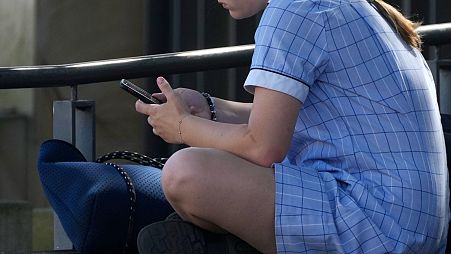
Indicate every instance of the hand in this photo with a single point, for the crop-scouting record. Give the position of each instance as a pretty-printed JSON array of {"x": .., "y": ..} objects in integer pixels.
[
  {"x": 195, "y": 101},
  {"x": 165, "y": 118}
]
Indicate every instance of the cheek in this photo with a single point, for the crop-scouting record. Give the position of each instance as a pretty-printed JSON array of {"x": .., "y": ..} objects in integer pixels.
[{"x": 244, "y": 9}]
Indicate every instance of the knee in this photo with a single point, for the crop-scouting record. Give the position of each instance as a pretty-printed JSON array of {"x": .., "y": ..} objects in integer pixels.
[{"x": 180, "y": 174}]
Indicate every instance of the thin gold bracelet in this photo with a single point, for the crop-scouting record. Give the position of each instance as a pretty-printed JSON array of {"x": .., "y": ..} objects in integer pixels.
[{"x": 180, "y": 129}]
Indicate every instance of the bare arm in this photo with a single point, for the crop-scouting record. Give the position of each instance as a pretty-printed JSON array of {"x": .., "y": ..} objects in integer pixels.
[
  {"x": 232, "y": 111},
  {"x": 263, "y": 140}
]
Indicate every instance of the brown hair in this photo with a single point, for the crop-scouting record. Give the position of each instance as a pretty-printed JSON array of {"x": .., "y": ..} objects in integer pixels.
[{"x": 403, "y": 26}]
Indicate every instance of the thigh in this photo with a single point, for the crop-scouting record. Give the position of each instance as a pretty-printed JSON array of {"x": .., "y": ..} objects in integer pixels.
[{"x": 228, "y": 191}]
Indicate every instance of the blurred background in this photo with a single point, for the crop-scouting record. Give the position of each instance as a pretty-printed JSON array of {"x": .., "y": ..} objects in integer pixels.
[{"x": 42, "y": 32}]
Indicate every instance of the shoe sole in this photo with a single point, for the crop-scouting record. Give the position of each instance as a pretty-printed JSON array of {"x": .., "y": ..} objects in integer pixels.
[{"x": 176, "y": 237}]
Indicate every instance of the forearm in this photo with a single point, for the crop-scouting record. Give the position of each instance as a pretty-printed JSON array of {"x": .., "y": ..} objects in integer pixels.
[
  {"x": 232, "y": 111},
  {"x": 238, "y": 139},
  {"x": 263, "y": 139}
]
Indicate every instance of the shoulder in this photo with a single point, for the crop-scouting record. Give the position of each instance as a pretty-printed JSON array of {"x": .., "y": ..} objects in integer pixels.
[
  {"x": 342, "y": 9},
  {"x": 297, "y": 15},
  {"x": 315, "y": 5},
  {"x": 305, "y": 7}
]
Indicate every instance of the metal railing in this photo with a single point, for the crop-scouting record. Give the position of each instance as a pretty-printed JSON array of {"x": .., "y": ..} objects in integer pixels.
[
  {"x": 133, "y": 67},
  {"x": 437, "y": 34},
  {"x": 146, "y": 66},
  {"x": 74, "y": 120}
]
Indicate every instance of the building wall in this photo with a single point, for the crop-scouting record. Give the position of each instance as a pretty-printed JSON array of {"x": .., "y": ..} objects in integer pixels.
[{"x": 16, "y": 106}]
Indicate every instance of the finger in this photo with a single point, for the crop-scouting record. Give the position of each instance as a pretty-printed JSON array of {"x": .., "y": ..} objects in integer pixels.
[
  {"x": 164, "y": 86},
  {"x": 140, "y": 107},
  {"x": 143, "y": 108},
  {"x": 159, "y": 96}
]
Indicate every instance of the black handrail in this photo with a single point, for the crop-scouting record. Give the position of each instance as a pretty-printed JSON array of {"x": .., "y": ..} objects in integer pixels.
[
  {"x": 133, "y": 67},
  {"x": 435, "y": 35},
  {"x": 145, "y": 66}
]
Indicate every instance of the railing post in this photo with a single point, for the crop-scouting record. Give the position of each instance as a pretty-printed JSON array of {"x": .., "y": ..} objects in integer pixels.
[{"x": 74, "y": 122}]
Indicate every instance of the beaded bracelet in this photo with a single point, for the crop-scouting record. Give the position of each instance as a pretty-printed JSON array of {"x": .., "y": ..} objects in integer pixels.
[{"x": 211, "y": 104}]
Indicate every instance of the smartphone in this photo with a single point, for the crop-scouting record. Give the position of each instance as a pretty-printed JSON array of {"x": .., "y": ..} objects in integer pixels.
[{"x": 138, "y": 92}]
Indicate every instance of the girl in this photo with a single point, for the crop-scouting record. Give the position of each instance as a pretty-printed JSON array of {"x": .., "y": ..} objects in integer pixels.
[{"x": 341, "y": 151}]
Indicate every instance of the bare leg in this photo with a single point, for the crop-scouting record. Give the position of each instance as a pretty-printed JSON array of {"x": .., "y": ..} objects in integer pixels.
[{"x": 217, "y": 190}]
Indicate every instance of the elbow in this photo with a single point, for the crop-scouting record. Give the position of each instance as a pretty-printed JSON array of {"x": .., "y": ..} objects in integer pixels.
[
  {"x": 267, "y": 156},
  {"x": 263, "y": 151}
]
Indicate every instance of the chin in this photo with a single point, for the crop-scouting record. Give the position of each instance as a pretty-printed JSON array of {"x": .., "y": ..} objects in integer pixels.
[{"x": 240, "y": 15}]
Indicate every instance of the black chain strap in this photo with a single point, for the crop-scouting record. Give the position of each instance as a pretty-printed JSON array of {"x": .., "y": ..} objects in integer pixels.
[
  {"x": 134, "y": 157},
  {"x": 137, "y": 158}
]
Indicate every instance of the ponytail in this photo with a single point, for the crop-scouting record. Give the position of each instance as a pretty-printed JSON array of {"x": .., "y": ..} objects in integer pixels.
[{"x": 403, "y": 26}]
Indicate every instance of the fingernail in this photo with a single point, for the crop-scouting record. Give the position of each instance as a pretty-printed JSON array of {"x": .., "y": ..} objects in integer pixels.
[{"x": 160, "y": 80}]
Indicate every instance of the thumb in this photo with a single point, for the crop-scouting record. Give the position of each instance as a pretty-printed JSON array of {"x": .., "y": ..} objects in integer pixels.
[{"x": 164, "y": 86}]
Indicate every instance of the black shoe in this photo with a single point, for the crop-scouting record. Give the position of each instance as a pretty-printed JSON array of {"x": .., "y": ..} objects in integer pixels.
[
  {"x": 179, "y": 237},
  {"x": 174, "y": 216}
]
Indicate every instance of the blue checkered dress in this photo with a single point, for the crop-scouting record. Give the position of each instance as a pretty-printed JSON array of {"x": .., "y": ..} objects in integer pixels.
[{"x": 366, "y": 170}]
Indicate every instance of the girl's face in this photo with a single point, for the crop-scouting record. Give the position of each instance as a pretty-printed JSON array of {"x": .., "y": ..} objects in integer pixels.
[{"x": 240, "y": 9}]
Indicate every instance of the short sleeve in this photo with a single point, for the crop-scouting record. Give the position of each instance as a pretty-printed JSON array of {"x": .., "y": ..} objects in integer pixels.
[{"x": 290, "y": 48}]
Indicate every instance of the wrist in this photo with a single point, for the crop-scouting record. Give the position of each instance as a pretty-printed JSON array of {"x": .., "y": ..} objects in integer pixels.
[
  {"x": 211, "y": 106},
  {"x": 181, "y": 140}
]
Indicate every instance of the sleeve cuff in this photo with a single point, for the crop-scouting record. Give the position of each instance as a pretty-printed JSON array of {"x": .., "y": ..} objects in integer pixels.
[{"x": 277, "y": 82}]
